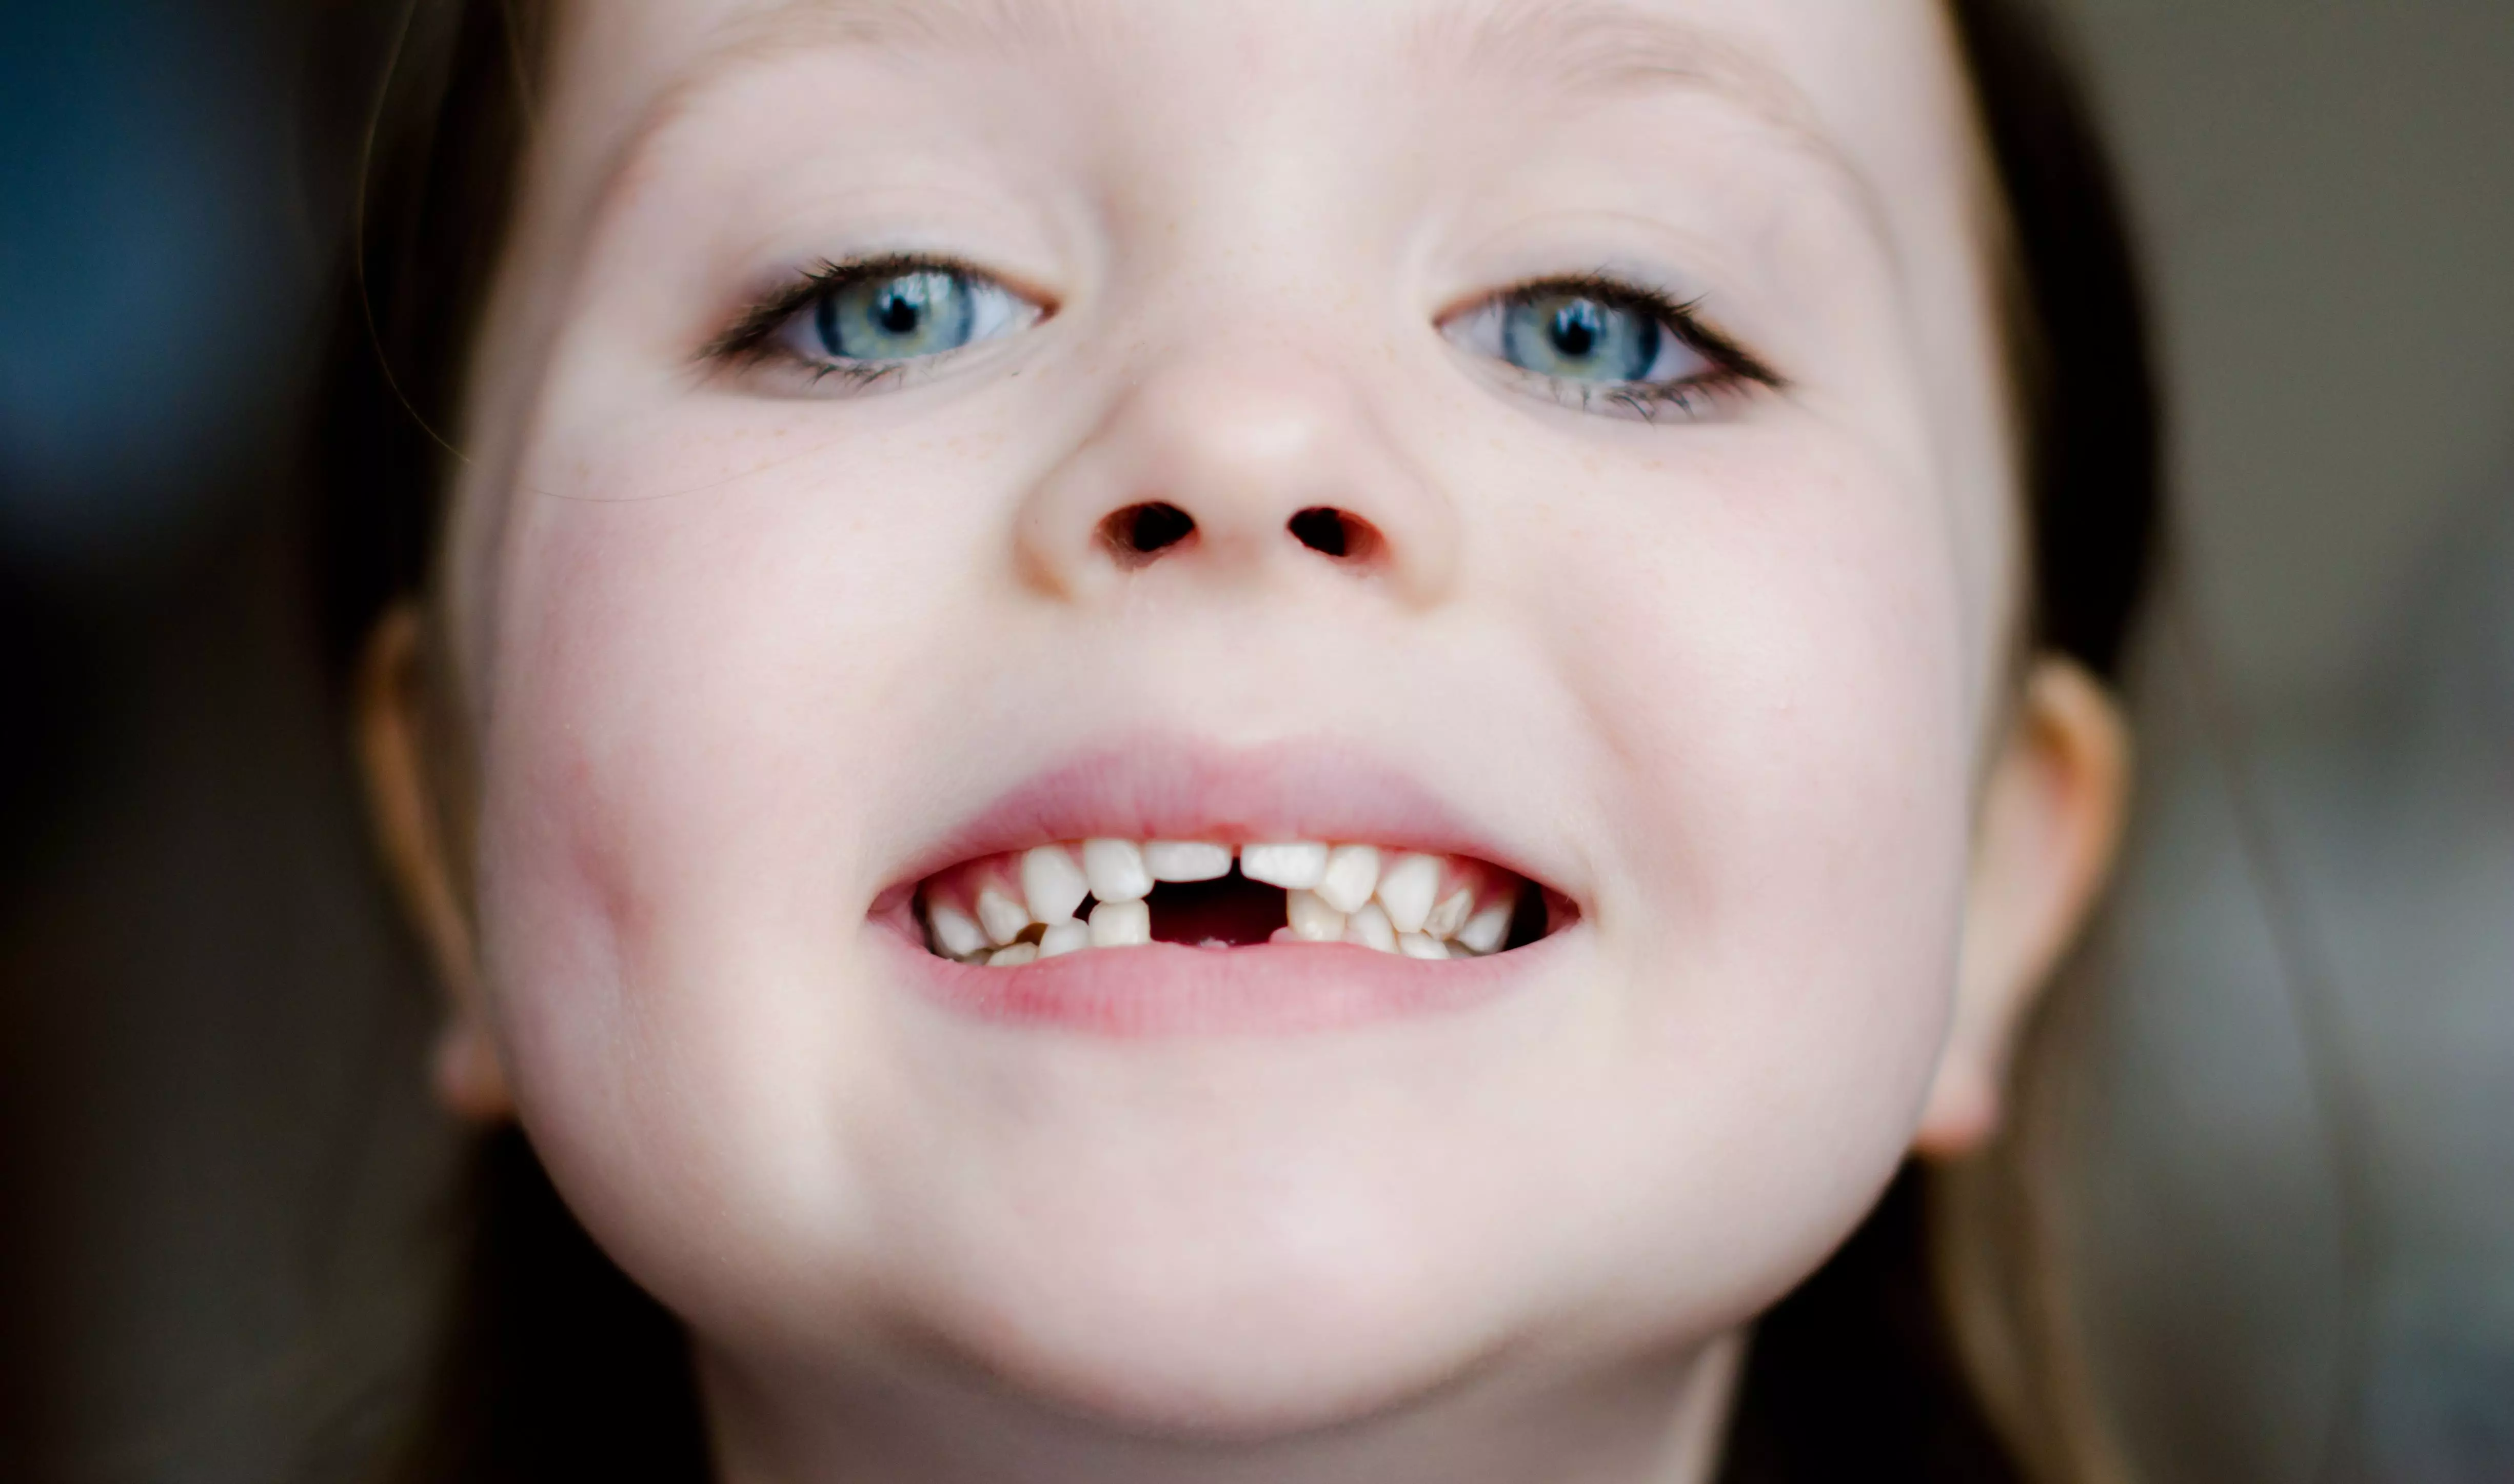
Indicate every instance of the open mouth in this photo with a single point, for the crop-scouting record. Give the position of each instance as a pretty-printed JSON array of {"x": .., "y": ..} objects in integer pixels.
[{"x": 1018, "y": 907}]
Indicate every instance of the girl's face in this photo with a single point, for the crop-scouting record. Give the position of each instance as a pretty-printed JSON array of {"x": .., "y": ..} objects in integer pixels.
[{"x": 1560, "y": 440}]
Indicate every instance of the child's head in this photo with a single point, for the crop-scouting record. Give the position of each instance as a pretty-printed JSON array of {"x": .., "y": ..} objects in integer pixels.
[{"x": 1605, "y": 448}]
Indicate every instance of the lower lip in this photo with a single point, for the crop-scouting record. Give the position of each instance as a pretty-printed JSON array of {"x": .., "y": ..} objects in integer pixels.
[{"x": 1166, "y": 989}]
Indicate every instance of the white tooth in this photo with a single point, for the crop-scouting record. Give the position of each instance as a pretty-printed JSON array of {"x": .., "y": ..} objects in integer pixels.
[
  {"x": 1014, "y": 957},
  {"x": 1297, "y": 865},
  {"x": 1486, "y": 930},
  {"x": 1115, "y": 870},
  {"x": 1450, "y": 915},
  {"x": 1421, "y": 945},
  {"x": 1352, "y": 875},
  {"x": 1063, "y": 938},
  {"x": 955, "y": 932},
  {"x": 1120, "y": 924},
  {"x": 1313, "y": 920},
  {"x": 1052, "y": 883},
  {"x": 1370, "y": 928},
  {"x": 1187, "y": 861},
  {"x": 1003, "y": 917},
  {"x": 1405, "y": 889}
]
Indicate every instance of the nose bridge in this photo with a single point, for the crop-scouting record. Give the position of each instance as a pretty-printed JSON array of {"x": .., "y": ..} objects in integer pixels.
[{"x": 1258, "y": 463}]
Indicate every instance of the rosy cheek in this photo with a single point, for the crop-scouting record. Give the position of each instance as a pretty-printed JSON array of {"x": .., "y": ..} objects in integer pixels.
[
  {"x": 1784, "y": 749},
  {"x": 631, "y": 753}
]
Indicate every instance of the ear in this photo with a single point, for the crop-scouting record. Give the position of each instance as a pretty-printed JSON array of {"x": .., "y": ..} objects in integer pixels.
[
  {"x": 2051, "y": 818},
  {"x": 393, "y": 732}
]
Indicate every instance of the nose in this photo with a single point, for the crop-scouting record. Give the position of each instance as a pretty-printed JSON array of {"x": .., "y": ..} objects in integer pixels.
[{"x": 1243, "y": 473}]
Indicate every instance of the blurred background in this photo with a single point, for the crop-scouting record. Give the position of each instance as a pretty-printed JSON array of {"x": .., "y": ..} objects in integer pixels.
[{"x": 220, "y": 1170}]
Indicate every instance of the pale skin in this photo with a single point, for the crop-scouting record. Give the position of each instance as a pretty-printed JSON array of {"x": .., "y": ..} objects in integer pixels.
[{"x": 720, "y": 652}]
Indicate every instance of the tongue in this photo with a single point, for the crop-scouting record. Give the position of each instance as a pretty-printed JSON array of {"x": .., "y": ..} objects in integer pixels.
[{"x": 1232, "y": 910}]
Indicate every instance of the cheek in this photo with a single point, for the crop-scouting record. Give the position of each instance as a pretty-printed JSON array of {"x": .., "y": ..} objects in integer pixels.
[
  {"x": 1768, "y": 663},
  {"x": 693, "y": 678}
]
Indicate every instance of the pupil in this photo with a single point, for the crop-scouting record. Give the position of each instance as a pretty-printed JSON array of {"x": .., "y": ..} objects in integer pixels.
[
  {"x": 1574, "y": 332},
  {"x": 898, "y": 313}
]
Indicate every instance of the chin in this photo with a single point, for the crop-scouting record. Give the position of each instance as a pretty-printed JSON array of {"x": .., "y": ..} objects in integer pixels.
[{"x": 1255, "y": 1347}]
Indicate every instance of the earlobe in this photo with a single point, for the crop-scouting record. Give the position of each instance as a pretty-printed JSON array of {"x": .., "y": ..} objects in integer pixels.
[
  {"x": 392, "y": 741},
  {"x": 2050, "y": 821}
]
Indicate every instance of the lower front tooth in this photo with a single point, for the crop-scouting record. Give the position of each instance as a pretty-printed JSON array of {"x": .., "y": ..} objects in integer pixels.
[
  {"x": 1003, "y": 917},
  {"x": 955, "y": 933},
  {"x": 1296, "y": 865},
  {"x": 1484, "y": 931},
  {"x": 1064, "y": 938},
  {"x": 1014, "y": 957},
  {"x": 1370, "y": 928},
  {"x": 1121, "y": 925},
  {"x": 1421, "y": 945},
  {"x": 1313, "y": 920}
]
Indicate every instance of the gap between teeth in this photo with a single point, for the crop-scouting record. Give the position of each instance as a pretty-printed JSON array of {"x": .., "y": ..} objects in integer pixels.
[{"x": 1352, "y": 892}]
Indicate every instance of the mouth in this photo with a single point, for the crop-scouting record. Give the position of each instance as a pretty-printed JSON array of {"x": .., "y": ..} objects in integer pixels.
[
  {"x": 1013, "y": 909},
  {"x": 1165, "y": 887}
]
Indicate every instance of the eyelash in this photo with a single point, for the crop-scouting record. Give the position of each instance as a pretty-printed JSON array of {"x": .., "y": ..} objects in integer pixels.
[{"x": 753, "y": 338}]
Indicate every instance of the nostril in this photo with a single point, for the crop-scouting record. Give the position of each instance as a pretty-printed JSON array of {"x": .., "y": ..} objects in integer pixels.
[
  {"x": 1330, "y": 531},
  {"x": 1139, "y": 531}
]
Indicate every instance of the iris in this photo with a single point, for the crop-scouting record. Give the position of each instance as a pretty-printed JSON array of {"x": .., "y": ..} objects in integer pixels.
[
  {"x": 1578, "y": 337},
  {"x": 897, "y": 317}
]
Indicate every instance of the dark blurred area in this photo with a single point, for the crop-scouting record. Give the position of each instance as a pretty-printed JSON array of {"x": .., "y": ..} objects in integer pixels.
[
  {"x": 217, "y": 1159},
  {"x": 218, "y": 1168}
]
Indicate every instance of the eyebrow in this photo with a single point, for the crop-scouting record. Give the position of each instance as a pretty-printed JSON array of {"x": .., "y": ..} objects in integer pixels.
[
  {"x": 1006, "y": 26},
  {"x": 1599, "y": 47}
]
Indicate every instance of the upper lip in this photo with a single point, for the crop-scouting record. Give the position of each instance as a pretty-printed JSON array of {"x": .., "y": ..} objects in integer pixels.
[{"x": 1174, "y": 789}]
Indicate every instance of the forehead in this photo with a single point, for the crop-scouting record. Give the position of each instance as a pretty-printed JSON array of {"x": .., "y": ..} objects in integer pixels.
[{"x": 1868, "y": 91}]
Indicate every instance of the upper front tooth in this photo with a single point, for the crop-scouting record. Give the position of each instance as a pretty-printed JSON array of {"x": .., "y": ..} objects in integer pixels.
[
  {"x": 1003, "y": 917},
  {"x": 1405, "y": 889},
  {"x": 1115, "y": 870},
  {"x": 955, "y": 932},
  {"x": 1486, "y": 930},
  {"x": 1450, "y": 915},
  {"x": 1352, "y": 875},
  {"x": 1052, "y": 883},
  {"x": 1297, "y": 865},
  {"x": 1187, "y": 861}
]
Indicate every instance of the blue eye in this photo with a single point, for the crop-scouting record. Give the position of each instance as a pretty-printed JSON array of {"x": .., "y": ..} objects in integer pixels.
[
  {"x": 895, "y": 318},
  {"x": 879, "y": 316},
  {"x": 1626, "y": 347},
  {"x": 1576, "y": 337}
]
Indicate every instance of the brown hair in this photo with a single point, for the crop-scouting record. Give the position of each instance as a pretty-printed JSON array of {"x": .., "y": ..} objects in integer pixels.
[{"x": 1937, "y": 1343}]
